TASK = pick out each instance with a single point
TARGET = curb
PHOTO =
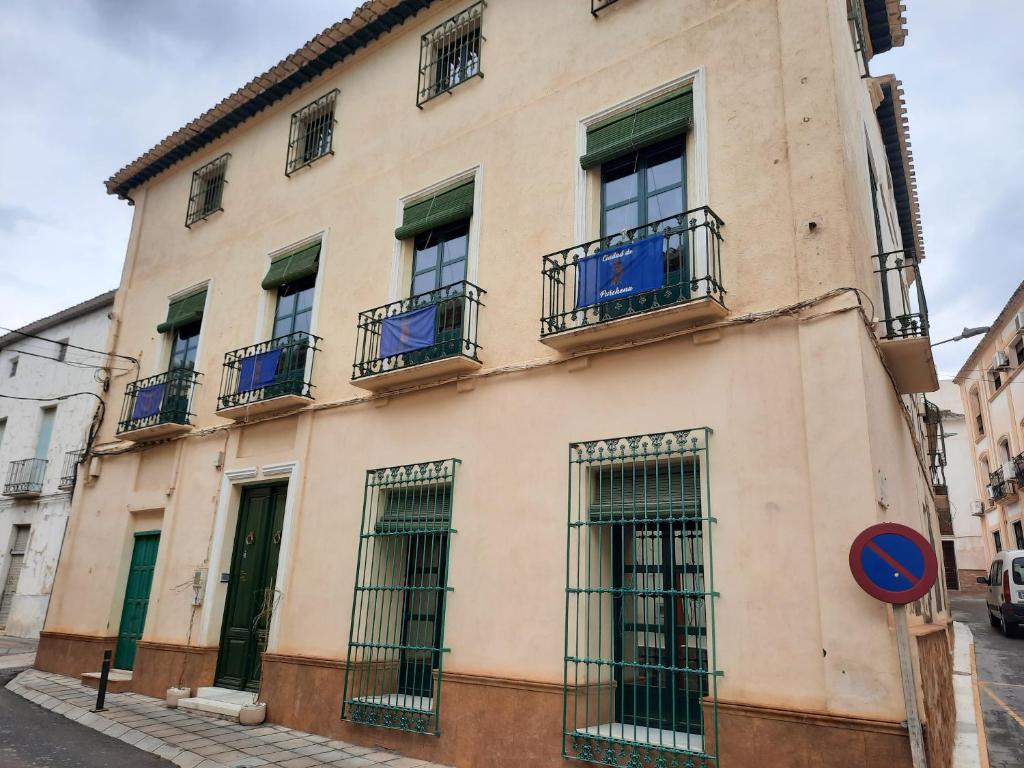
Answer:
(969, 747)
(180, 757)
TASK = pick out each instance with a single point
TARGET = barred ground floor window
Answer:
(396, 640)
(640, 675)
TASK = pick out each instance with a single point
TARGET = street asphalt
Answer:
(1000, 663)
(32, 737)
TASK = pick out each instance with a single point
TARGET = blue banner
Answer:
(624, 270)
(408, 331)
(257, 371)
(148, 401)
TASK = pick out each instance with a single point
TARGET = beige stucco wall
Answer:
(804, 416)
(1002, 411)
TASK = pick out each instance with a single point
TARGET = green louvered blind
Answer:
(649, 491)
(184, 311)
(443, 208)
(416, 510)
(292, 267)
(640, 128)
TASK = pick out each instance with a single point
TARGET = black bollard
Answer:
(101, 693)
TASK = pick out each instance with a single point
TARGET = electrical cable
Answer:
(62, 343)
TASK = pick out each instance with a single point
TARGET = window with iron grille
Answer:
(640, 674)
(450, 53)
(312, 133)
(207, 194)
(396, 639)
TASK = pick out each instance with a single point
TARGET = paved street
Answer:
(1000, 663)
(31, 737)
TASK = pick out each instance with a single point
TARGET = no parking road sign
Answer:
(893, 563)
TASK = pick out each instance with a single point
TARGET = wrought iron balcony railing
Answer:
(270, 369)
(1018, 463)
(69, 472)
(1000, 486)
(421, 329)
(904, 309)
(582, 287)
(162, 399)
(25, 477)
(935, 435)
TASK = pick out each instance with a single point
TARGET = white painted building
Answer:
(49, 388)
(963, 491)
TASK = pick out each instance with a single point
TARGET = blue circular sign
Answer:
(893, 563)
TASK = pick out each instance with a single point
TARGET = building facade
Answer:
(514, 378)
(49, 394)
(964, 549)
(990, 387)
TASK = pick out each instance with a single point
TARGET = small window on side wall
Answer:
(12, 371)
(207, 194)
(450, 53)
(312, 133)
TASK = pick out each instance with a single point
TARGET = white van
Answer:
(1005, 595)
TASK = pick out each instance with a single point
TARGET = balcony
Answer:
(427, 337)
(935, 438)
(903, 331)
(266, 377)
(655, 279)
(1002, 484)
(25, 478)
(158, 407)
(69, 472)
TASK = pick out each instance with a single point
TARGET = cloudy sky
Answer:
(99, 82)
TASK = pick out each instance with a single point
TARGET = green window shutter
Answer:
(443, 208)
(183, 312)
(416, 510)
(640, 128)
(645, 492)
(292, 267)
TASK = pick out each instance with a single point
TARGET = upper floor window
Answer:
(979, 422)
(12, 370)
(450, 53)
(293, 276)
(1004, 451)
(207, 194)
(997, 378)
(184, 321)
(1018, 350)
(312, 133)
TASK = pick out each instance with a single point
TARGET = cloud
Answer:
(13, 215)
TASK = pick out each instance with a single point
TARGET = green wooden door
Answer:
(136, 598)
(251, 586)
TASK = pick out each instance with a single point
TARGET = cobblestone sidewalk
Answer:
(192, 741)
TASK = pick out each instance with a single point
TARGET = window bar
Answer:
(450, 53)
(396, 642)
(640, 504)
(207, 192)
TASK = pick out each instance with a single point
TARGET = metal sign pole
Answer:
(917, 752)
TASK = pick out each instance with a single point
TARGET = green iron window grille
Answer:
(207, 194)
(450, 53)
(396, 638)
(311, 135)
(640, 667)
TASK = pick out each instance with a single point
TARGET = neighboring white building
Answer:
(963, 491)
(40, 442)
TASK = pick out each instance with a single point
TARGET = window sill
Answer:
(677, 741)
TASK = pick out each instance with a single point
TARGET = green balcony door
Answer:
(250, 597)
(641, 188)
(439, 260)
(136, 598)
